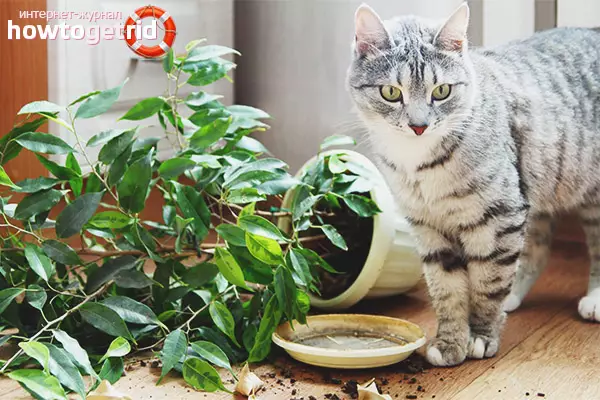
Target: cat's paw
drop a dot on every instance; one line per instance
(589, 307)
(512, 302)
(482, 347)
(442, 353)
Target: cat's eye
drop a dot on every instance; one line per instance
(441, 92)
(391, 93)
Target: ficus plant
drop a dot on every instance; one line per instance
(86, 278)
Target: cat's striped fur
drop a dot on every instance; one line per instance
(516, 142)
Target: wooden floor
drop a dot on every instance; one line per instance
(547, 352)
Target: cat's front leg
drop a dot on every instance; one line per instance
(493, 250)
(448, 284)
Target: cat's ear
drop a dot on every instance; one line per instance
(371, 34)
(452, 36)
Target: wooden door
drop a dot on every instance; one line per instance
(23, 77)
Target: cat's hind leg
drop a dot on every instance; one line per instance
(589, 305)
(538, 239)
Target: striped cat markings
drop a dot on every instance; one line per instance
(482, 148)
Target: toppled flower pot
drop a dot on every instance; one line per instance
(389, 266)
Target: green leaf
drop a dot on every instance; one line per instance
(208, 71)
(246, 170)
(285, 290)
(35, 185)
(5, 180)
(212, 353)
(39, 384)
(174, 349)
(207, 52)
(37, 351)
(200, 274)
(223, 319)
(210, 133)
(36, 296)
(131, 311)
(262, 344)
(105, 137)
(93, 182)
(334, 236)
(118, 167)
(109, 270)
(40, 107)
(72, 219)
(99, 103)
(193, 44)
(61, 366)
(254, 270)
(37, 203)
(315, 259)
(133, 279)
(192, 205)
(44, 143)
(264, 249)
(245, 195)
(247, 112)
(78, 354)
(9, 149)
(336, 166)
(206, 116)
(232, 234)
(361, 205)
(119, 347)
(249, 337)
(110, 220)
(61, 252)
(196, 100)
(337, 140)
(247, 210)
(174, 167)
(302, 207)
(303, 302)
(251, 144)
(133, 189)
(82, 98)
(144, 109)
(58, 171)
(300, 266)
(201, 376)
(112, 370)
(76, 183)
(39, 263)
(115, 147)
(103, 318)
(168, 61)
(261, 226)
(229, 267)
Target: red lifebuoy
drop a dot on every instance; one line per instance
(150, 51)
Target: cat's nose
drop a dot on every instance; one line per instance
(418, 129)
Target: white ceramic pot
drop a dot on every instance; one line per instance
(392, 266)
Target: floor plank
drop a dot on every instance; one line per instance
(540, 341)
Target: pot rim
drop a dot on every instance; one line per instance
(381, 242)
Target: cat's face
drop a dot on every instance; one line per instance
(411, 77)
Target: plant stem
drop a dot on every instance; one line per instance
(51, 324)
(189, 320)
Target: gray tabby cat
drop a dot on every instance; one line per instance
(482, 147)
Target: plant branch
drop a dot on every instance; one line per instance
(52, 323)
